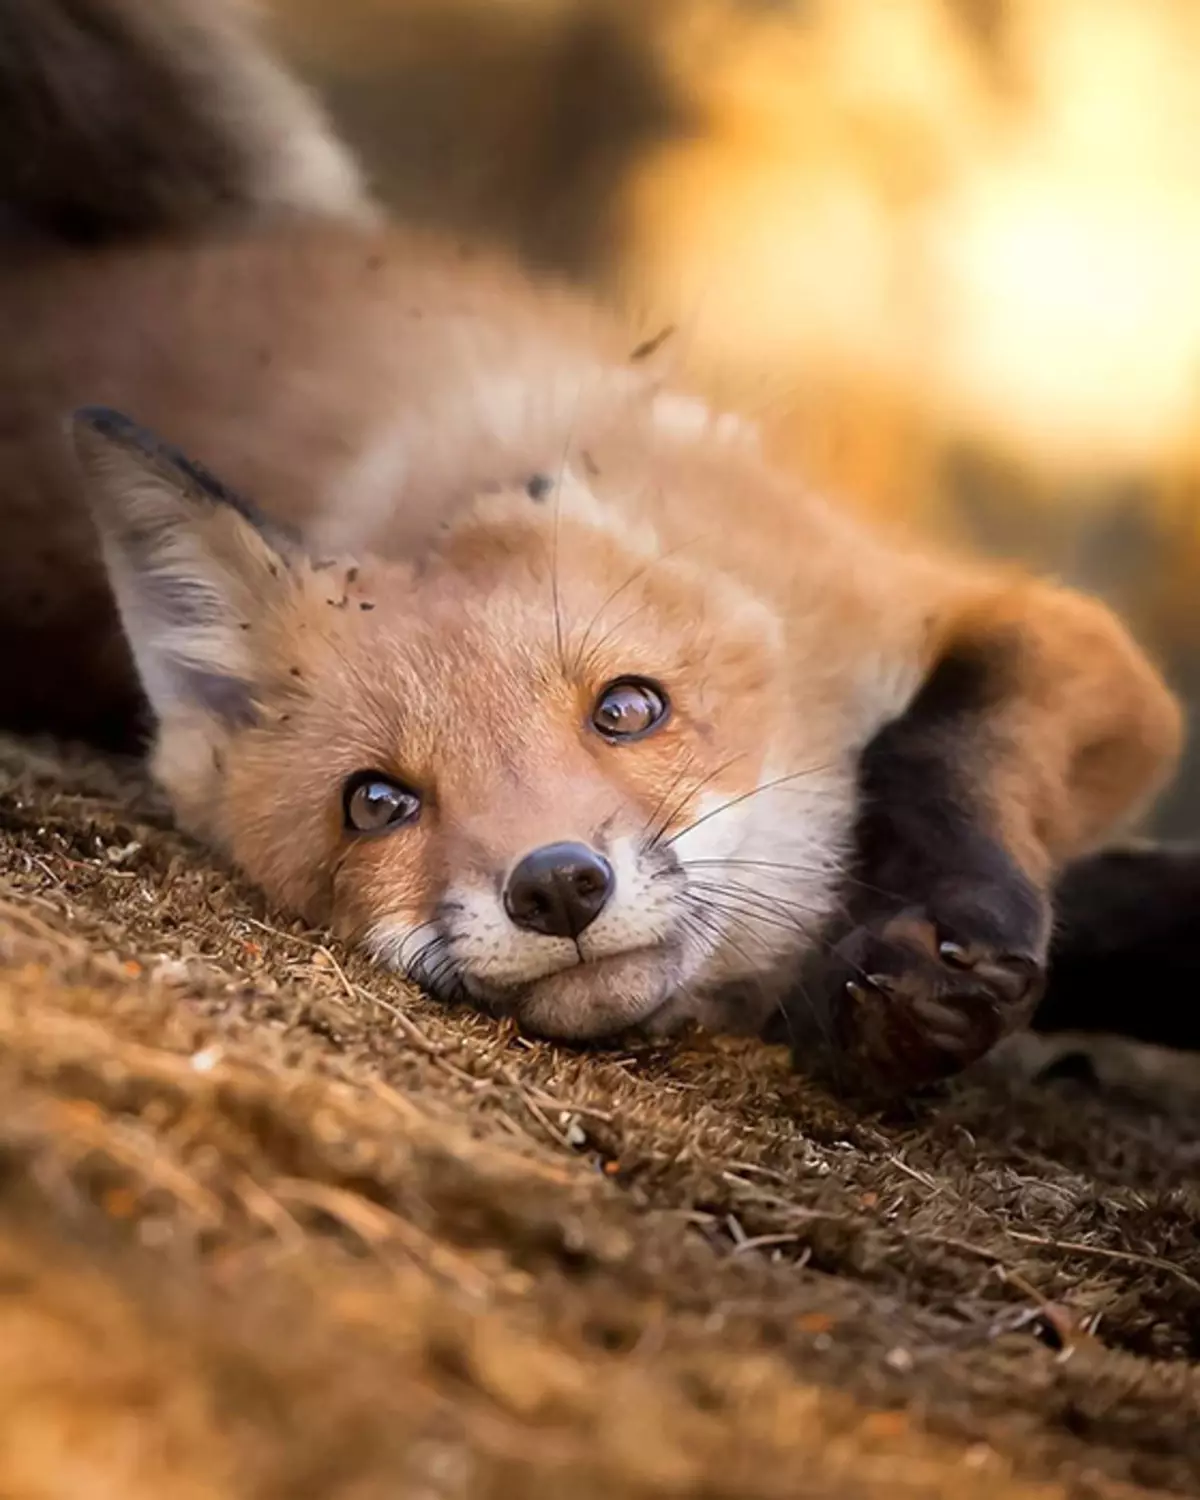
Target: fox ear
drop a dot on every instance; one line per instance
(190, 563)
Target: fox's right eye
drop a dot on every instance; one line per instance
(372, 802)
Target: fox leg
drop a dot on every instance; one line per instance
(1125, 956)
(1036, 730)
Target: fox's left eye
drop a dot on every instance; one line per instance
(629, 708)
(372, 802)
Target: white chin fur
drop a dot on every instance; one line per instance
(767, 869)
(595, 1000)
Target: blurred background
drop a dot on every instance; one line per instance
(947, 252)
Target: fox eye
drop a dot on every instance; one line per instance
(629, 708)
(372, 802)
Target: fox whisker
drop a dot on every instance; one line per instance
(757, 791)
(672, 787)
(692, 791)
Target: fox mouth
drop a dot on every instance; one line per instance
(589, 998)
(687, 944)
(581, 996)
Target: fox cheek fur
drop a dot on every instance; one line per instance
(275, 677)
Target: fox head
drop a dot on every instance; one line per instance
(590, 812)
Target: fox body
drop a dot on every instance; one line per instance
(503, 587)
(493, 653)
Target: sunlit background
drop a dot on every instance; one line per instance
(947, 251)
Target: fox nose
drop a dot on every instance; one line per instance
(559, 890)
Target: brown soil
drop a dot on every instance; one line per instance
(272, 1226)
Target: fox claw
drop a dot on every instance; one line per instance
(919, 1005)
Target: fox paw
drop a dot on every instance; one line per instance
(913, 999)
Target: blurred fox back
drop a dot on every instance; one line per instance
(122, 123)
(121, 118)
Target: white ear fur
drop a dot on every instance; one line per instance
(190, 565)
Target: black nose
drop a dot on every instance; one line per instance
(559, 889)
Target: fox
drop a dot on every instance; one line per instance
(469, 635)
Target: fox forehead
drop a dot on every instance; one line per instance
(527, 602)
(437, 675)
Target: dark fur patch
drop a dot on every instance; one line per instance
(1125, 956)
(115, 122)
(923, 824)
(199, 483)
(926, 858)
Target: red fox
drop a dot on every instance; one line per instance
(468, 637)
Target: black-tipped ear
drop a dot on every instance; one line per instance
(103, 427)
(191, 565)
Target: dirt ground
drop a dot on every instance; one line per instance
(272, 1226)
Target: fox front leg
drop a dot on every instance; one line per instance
(1037, 729)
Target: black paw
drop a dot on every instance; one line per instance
(910, 998)
(942, 949)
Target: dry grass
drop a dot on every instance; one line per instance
(272, 1226)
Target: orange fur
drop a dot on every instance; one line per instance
(373, 391)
